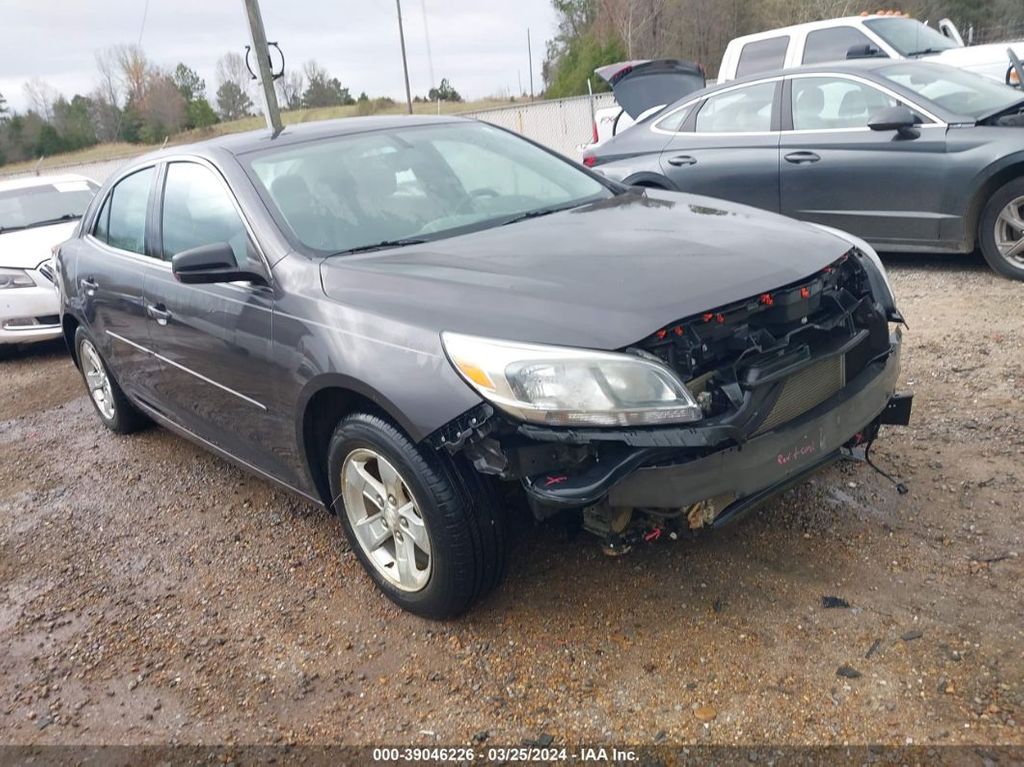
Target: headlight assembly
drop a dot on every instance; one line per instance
(560, 386)
(15, 278)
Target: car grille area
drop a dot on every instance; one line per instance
(805, 390)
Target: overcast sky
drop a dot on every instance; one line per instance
(480, 45)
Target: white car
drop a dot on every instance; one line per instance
(879, 35)
(36, 214)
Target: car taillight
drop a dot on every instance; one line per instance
(589, 160)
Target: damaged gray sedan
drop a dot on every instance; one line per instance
(417, 322)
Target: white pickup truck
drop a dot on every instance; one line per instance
(880, 35)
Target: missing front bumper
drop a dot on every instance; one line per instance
(660, 478)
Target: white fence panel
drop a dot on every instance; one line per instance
(565, 125)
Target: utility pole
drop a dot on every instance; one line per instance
(529, 54)
(261, 51)
(405, 64)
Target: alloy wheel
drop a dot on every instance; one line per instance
(1010, 232)
(97, 380)
(385, 520)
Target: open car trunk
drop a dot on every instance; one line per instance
(641, 85)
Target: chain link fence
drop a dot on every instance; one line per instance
(564, 125)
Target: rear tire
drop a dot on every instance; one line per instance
(112, 406)
(1001, 230)
(458, 547)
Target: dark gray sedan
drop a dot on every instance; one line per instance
(911, 156)
(418, 322)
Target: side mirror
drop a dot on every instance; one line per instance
(865, 51)
(899, 119)
(211, 263)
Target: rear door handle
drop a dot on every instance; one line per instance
(159, 313)
(89, 285)
(802, 158)
(682, 159)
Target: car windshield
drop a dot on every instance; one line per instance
(961, 92)
(44, 204)
(394, 187)
(909, 36)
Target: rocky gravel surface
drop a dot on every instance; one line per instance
(150, 592)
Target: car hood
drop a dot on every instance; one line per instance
(27, 248)
(603, 276)
(973, 55)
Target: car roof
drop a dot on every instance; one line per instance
(812, 25)
(250, 141)
(852, 67)
(26, 182)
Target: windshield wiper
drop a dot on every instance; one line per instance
(923, 52)
(382, 245)
(15, 228)
(540, 212)
(58, 220)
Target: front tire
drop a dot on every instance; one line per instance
(110, 402)
(427, 532)
(1001, 230)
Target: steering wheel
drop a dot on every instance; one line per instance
(467, 203)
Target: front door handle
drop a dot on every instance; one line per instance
(89, 285)
(682, 159)
(802, 158)
(159, 313)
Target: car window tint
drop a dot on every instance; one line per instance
(99, 230)
(127, 218)
(198, 210)
(674, 121)
(827, 103)
(834, 44)
(742, 110)
(762, 55)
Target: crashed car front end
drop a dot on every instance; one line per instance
(744, 400)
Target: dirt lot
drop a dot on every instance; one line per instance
(151, 592)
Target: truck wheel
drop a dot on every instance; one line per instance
(1001, 230)
(112, 406)
(429, 532)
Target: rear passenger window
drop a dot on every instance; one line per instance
(742, 110)
(834, 44)
(198, 210)
(762, 56)
(126, 219)
(674, 121)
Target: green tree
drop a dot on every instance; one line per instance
(73, 121)
(3, 107)
(578, 61)
(232, 102)
(444, 92)
(200, 114)
(189, 83)
(322, 90)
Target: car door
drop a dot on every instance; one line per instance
(880, 185)
(214, 339)
(729, 146)
(112, 264)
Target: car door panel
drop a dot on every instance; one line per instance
(879, 185)
(734, 154)
(214, 340)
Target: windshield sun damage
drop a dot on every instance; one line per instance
(44, 204)
(407, 185)
(960, 92)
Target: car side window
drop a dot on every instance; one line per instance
(198, 210)
(831, 103)
(762, 55)
(834, 44)
(122, 219)
(742, 110)
(674, 121)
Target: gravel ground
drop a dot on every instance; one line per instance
(150, 592)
